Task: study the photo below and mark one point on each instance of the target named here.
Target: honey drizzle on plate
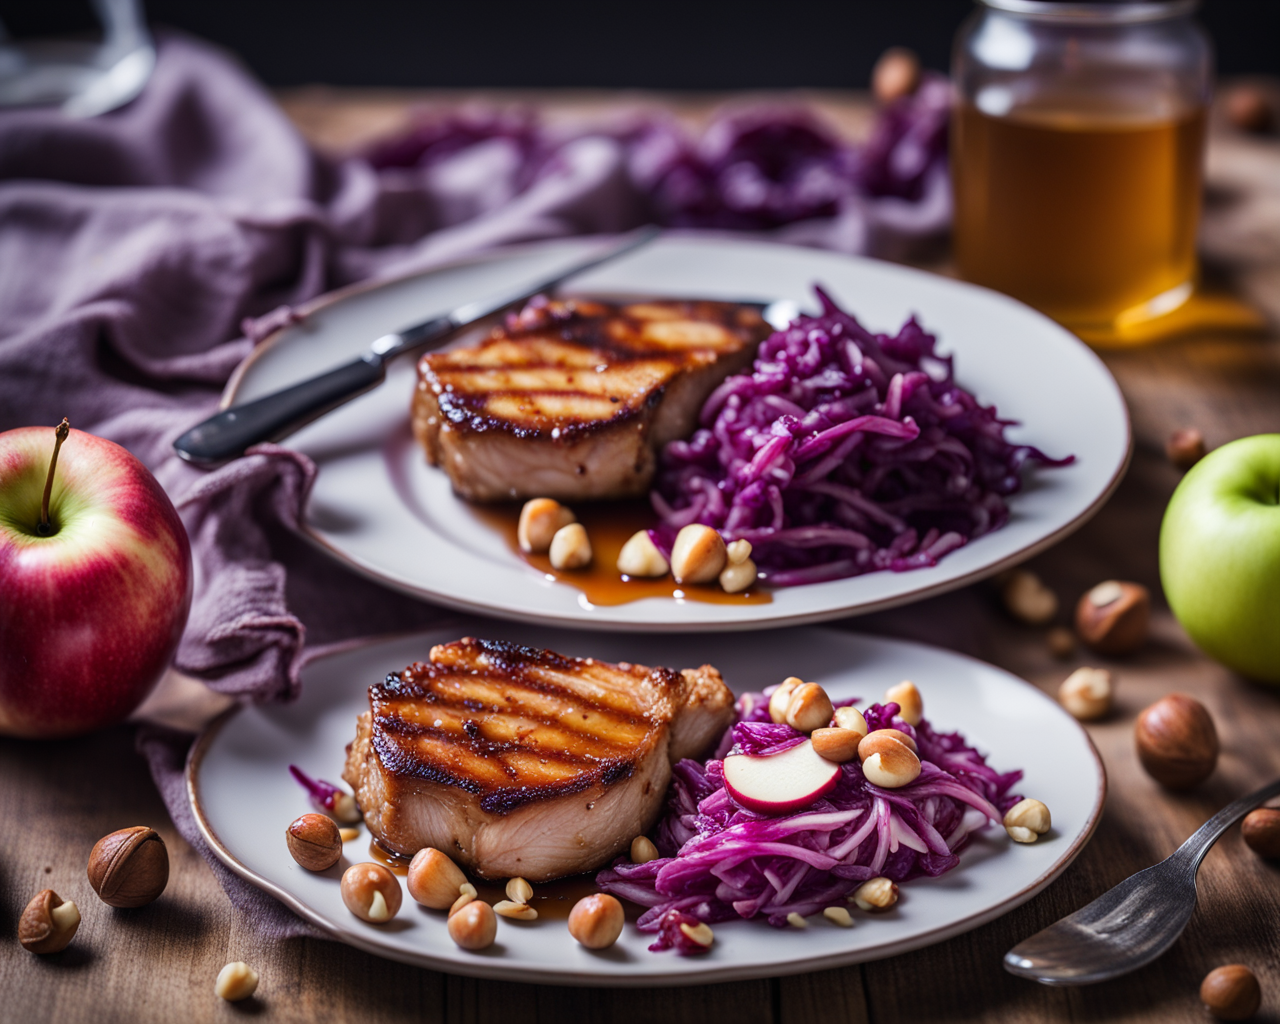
(609, 525)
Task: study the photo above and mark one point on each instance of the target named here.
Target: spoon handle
(1193, 850)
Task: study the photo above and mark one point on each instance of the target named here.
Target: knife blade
(273, 417)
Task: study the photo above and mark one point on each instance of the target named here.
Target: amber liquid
(1088, 217)
(609, 525)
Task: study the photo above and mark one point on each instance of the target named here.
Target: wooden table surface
(159, 962)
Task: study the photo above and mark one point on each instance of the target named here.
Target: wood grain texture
(159, 962)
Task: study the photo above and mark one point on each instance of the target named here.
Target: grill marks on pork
(572, 398)
(518, 760)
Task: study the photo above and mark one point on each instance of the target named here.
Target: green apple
(1220, 555)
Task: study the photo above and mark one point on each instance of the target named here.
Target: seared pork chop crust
(572, 398)
(519, 760)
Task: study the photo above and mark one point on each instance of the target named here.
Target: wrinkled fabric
(145, 252)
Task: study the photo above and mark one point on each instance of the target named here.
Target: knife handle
(277, 415)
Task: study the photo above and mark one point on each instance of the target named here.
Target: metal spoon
(1133, 923)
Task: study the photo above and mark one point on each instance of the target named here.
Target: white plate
(243, 798)
(381, 509)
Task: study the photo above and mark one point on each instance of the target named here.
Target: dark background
(658, 44)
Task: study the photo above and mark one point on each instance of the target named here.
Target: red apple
(778, 783)
(94, 599)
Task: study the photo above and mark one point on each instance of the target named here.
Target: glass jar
(1077, 155)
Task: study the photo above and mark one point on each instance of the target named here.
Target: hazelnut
(896, 74)
(1027, 820)
(371, 892)
(474, 926)
(1248, 109)
(838, 745)
(570, 548)
(875, 894)
(314, 841)
(643, 850)
(809, 708)
(433, 879)
(48, 924)
(515, 911)
(519, 890)
(1231, 992)
(1027, 599)
(852, 719)
(838, 915)
(596, 920)
(780, 699)
(887, 759)
(345, 809)
(738, 576)
(540, 519)
(129, 868)
(1261, 831)
(1086, 693)
(1185, 447)
(236, 981)
(699, 934)
(796, 921)
(1112, 618)
(910, 703)
(1177, 741)
(466, 894)
(1061, 642)
(641, 558)
(698, 554)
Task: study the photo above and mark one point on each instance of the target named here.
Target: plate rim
(503, 970)
(567, 619)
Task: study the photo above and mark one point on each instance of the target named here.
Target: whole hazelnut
(434, 880)
(474, 926)
(809, 708)
(371, 892)
(1261, 831)
(1177, 741)
(48, 924)
(314, 841)
(1027, 598)
(1185, 447)
(1113, 617)
(1231, 992)
(129, 868)
(596, 921)
(896, 74)
(1061, 642)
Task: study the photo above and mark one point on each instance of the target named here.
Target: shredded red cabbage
(843, 452)
(721, 862)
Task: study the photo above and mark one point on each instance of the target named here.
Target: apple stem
(60, 433)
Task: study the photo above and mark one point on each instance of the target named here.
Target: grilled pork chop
(573, 398)
(518, 761)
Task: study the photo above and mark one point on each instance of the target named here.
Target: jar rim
(1118, 12)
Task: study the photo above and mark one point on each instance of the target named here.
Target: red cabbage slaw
(843, 452)
(722, 862)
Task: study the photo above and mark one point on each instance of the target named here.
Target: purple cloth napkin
(144, 252)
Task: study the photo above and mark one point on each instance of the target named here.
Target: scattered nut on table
(1177, 741)
(698, 554)
(314, 841)
(236, 981)
(1086, 693)
(1113, 617)
(1231, 992)
(910, 703)
(371, 892)
(1248, 108)
(896, 74)
(129, 868)
(1027, 820)
(641, 558)
(570, 548)
(433, 879)
(1185, 447)
(596, 921)
(875, 894)
(1027, 598)
(540, 519)
(1261, 831)
(48, 924)
(809, 708)
(1061, 642)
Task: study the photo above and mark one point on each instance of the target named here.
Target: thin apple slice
(779, 783)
